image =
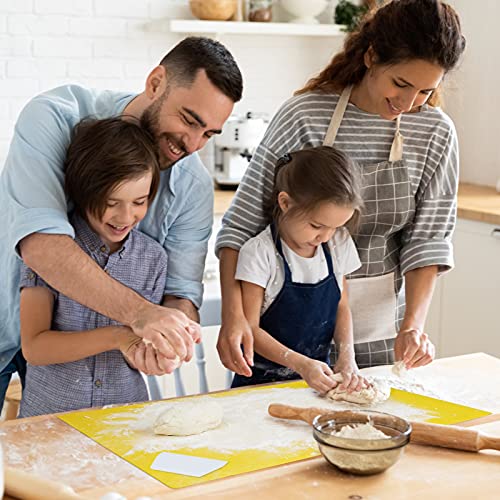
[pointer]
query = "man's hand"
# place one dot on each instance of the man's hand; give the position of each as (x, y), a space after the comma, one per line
(233, 334)
(170, 331)
(413, 347)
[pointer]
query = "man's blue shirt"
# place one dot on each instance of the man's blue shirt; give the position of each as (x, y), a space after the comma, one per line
(32, 199)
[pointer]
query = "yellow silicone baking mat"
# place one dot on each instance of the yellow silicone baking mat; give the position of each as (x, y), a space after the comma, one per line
(119, 430)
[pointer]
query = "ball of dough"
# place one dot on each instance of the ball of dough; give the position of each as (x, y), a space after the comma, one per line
(189, 417)
(376, 393)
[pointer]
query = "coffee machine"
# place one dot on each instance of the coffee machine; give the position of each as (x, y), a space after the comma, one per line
(235, 146)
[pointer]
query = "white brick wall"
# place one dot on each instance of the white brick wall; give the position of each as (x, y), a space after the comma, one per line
(115, 43)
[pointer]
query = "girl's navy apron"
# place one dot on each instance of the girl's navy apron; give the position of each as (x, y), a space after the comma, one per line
(302, 317)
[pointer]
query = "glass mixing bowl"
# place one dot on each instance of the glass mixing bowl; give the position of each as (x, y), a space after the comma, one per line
(359, 455)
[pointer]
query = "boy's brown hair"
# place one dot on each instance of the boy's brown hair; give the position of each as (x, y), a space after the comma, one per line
(103, 154)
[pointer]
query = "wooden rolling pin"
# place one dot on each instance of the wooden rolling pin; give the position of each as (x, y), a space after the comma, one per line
(445, 436)
(27, 486)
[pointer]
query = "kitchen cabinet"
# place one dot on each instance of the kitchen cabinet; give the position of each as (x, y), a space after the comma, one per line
(464, 316)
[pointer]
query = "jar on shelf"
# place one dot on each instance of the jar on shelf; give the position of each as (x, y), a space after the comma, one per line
(260, 11)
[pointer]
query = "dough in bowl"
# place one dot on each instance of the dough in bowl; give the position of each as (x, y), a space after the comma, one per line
(186, 418)
(374, 394)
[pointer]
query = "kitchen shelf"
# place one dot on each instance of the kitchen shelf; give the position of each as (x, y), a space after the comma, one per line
(251, 28)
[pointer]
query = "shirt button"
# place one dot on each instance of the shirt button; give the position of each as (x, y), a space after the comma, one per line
(103, 248)
(98, 383)
(31, 276)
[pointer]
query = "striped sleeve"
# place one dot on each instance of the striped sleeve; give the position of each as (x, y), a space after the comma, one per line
(427, 240)
(245, 217)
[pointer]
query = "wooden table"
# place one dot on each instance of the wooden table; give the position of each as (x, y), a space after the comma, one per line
(47, 446)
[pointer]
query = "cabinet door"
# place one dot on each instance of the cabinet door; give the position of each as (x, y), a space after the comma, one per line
(470, 299)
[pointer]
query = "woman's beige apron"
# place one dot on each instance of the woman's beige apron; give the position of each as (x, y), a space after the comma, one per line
(376, 294)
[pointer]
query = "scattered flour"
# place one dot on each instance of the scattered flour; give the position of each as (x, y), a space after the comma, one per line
(246, 425)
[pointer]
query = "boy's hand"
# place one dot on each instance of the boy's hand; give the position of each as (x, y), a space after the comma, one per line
(142, 356)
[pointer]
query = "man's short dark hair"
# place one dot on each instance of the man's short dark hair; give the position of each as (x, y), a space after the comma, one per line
(103, 154)
(199, 53)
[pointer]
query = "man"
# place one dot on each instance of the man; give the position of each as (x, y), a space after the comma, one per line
(186, 100)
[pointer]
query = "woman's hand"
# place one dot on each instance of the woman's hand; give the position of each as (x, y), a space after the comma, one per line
(233, 334)
(413, 347)
(317, 374)
(352, 380)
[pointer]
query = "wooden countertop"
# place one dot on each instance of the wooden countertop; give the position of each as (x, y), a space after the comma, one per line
(222, 200)
(477, 203)
(48, 447)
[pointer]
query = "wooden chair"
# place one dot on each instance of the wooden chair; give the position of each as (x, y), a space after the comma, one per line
(12, 399)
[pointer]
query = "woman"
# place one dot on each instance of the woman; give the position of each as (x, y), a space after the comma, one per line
(377, 101)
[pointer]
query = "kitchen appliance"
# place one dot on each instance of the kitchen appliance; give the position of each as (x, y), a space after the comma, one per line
(235, 146)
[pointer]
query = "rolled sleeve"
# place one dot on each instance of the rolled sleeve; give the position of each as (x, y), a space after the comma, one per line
(187, 240)
(35, 220)
(428, 240)
(29, 279)
(422, 253)
(33, 178)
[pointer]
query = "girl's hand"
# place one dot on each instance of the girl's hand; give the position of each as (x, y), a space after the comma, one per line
(413, 347)
(317, 374)
(352, 380)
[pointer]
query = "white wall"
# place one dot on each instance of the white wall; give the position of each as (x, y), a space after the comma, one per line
(114, 43)
(473, 99)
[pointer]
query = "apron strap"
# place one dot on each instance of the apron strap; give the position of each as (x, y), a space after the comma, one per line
(397, 144)
(329, 258)
(279, 248)
(338, 114)
(396, 153)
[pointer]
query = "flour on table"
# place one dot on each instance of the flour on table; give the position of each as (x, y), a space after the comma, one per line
(376, 393)
(185, 418)
(246, 424)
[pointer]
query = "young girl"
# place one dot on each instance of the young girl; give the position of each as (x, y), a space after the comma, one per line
(292, 273)
(77, 357)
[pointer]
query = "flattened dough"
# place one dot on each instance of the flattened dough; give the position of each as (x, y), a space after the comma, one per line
(186, 418)
(376, 393)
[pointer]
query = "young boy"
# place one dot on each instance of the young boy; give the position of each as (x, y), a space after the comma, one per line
(77, 357)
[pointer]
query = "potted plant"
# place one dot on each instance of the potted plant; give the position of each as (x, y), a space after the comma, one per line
(349, 14)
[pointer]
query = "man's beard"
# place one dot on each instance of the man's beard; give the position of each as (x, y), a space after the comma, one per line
(150, 120)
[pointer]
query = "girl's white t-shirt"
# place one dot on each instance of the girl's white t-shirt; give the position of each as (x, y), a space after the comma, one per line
(260, 263)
